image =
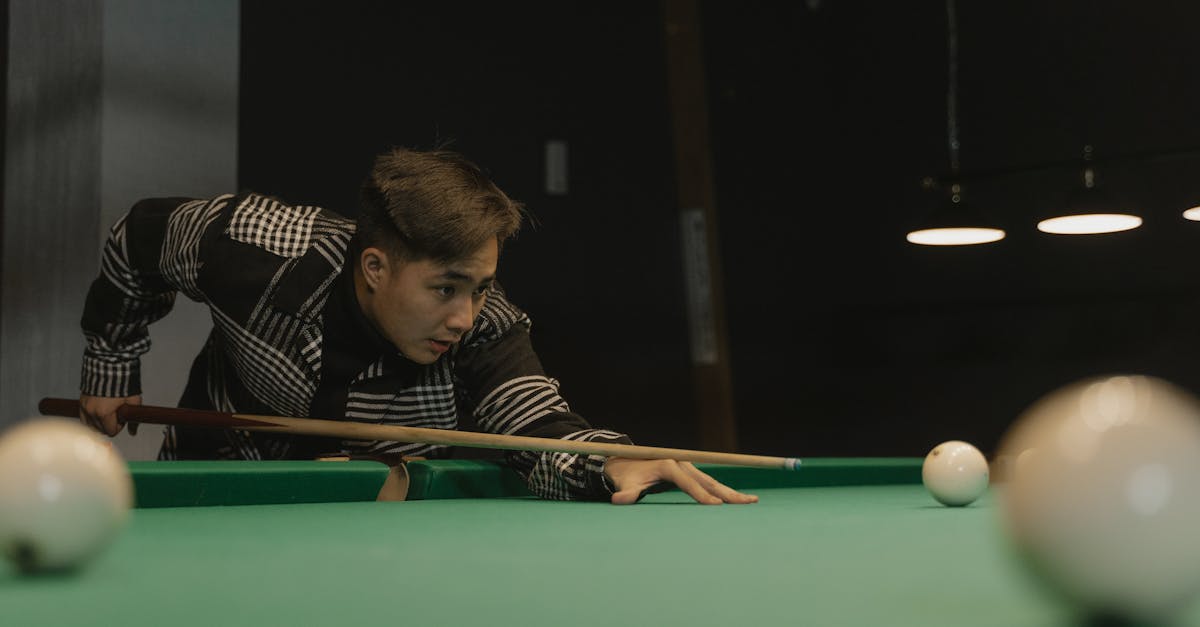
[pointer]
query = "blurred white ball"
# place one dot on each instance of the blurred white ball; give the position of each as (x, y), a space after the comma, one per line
(1104, 498)
(65, 493)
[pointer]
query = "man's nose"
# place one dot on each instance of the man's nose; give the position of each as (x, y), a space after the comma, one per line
(462, 317)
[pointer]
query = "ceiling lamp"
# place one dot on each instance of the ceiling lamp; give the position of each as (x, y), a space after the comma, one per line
(952, 223)
(1090, 211)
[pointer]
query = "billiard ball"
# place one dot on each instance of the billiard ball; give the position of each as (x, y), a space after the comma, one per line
(955, 473)
(1103, 504)
(65, 493)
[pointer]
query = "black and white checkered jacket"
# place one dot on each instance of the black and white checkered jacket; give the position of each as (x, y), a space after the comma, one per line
(265, 270)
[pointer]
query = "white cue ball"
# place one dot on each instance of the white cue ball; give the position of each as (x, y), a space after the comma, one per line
(65, 493)
(1104, 501)
(955, 473)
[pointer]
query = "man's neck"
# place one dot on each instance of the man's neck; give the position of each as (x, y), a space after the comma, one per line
(362, 293)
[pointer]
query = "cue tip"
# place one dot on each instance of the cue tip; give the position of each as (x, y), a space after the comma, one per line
(791, 463)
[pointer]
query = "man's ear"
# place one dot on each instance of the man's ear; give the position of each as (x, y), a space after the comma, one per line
(375, 265)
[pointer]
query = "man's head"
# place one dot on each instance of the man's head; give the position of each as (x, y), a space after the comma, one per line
(430, 230)
(432, 205)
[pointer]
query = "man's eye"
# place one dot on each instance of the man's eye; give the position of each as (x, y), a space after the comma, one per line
(482, 290)
(445, 291)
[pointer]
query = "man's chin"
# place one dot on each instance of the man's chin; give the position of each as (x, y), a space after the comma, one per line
(423, 356)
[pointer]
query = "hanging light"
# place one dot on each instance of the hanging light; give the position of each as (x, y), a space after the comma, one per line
(1192, 214)
(952, 222)
(1090, 211)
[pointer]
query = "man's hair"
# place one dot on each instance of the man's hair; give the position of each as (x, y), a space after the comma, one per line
(432, 205)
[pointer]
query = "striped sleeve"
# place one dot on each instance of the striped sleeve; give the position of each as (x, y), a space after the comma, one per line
(509, 393)
(151, 254)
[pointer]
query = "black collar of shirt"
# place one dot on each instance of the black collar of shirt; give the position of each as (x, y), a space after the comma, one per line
(351, 342)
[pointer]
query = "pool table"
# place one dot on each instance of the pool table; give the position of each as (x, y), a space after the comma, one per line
(839, 542)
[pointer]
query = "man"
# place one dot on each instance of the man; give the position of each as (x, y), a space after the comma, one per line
(397, 319)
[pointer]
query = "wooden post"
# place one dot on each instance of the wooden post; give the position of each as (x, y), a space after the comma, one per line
(688, 95)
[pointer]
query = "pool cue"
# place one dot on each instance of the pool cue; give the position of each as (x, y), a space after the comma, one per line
(350, 430)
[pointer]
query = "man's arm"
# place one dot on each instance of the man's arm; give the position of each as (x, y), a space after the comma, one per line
(151, 253)
(518, 399)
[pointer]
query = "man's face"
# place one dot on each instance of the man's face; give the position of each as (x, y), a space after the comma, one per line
(424, 307)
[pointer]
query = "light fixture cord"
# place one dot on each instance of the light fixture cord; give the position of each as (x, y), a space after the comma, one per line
(952, 85)
(1089, 175)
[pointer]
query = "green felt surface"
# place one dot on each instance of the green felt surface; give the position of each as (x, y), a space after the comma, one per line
(840, 555)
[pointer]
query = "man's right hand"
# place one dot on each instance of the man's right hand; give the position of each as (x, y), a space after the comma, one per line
(100, 412)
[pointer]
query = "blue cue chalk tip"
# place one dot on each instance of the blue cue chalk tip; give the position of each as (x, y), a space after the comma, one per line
(792, 463)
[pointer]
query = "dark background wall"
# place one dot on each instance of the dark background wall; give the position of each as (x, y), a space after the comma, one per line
(826, 115)
(826, 120)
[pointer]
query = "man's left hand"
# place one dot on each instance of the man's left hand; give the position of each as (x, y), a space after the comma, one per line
(632, 477)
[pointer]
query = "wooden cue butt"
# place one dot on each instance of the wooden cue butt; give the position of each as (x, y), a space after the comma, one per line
(366, 431)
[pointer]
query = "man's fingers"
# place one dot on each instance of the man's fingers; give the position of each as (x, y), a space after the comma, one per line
(91, 420)
(111, 425)
(100, 412)
(718, 489)
(133, 400)
(686, 482)
(104, 423)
